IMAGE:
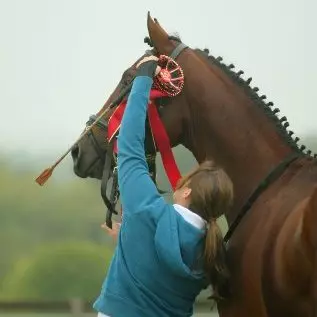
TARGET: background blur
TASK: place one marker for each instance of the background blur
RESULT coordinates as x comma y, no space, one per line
59,61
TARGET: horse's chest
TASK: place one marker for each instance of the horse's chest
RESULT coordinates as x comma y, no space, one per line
251,254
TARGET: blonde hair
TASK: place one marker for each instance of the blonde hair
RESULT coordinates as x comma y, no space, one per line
211,197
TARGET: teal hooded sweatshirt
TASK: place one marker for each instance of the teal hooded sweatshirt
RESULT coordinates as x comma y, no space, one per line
156,270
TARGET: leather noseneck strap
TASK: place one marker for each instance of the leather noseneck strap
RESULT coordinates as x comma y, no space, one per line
178,50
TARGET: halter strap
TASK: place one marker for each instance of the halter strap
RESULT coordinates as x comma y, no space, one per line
179,48
110,203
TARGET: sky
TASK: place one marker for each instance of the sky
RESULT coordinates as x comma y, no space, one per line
60,59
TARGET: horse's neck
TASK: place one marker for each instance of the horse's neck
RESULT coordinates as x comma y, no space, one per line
226,126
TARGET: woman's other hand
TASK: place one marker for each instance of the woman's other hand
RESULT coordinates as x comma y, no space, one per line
112,232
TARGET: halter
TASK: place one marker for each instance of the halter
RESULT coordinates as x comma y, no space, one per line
171,80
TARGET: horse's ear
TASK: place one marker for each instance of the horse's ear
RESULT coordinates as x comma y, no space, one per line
158,36
159,25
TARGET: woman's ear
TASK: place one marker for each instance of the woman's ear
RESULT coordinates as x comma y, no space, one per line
186,192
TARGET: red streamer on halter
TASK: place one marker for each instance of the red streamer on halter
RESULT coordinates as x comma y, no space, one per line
159,133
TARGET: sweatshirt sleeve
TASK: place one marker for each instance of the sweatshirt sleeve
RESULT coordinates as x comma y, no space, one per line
137,190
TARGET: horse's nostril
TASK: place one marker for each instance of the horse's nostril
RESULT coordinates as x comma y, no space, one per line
75,152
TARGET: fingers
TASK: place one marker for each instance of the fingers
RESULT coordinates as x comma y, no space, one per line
117,225
106,228
158,69
147,59
112,232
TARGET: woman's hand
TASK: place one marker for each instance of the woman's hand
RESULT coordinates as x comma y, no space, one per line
114,231
148,66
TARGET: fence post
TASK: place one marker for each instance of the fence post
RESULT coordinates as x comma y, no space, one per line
76,307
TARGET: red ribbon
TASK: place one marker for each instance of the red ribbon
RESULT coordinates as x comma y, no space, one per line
158,130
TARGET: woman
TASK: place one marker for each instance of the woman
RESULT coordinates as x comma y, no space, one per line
166,254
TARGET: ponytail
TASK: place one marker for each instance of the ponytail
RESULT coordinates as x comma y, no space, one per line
211,197
215,261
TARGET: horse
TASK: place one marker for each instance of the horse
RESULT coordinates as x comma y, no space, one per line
272,240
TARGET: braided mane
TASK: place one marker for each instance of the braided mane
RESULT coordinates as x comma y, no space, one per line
268,108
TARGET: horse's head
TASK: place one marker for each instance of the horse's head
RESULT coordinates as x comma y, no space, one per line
90,152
